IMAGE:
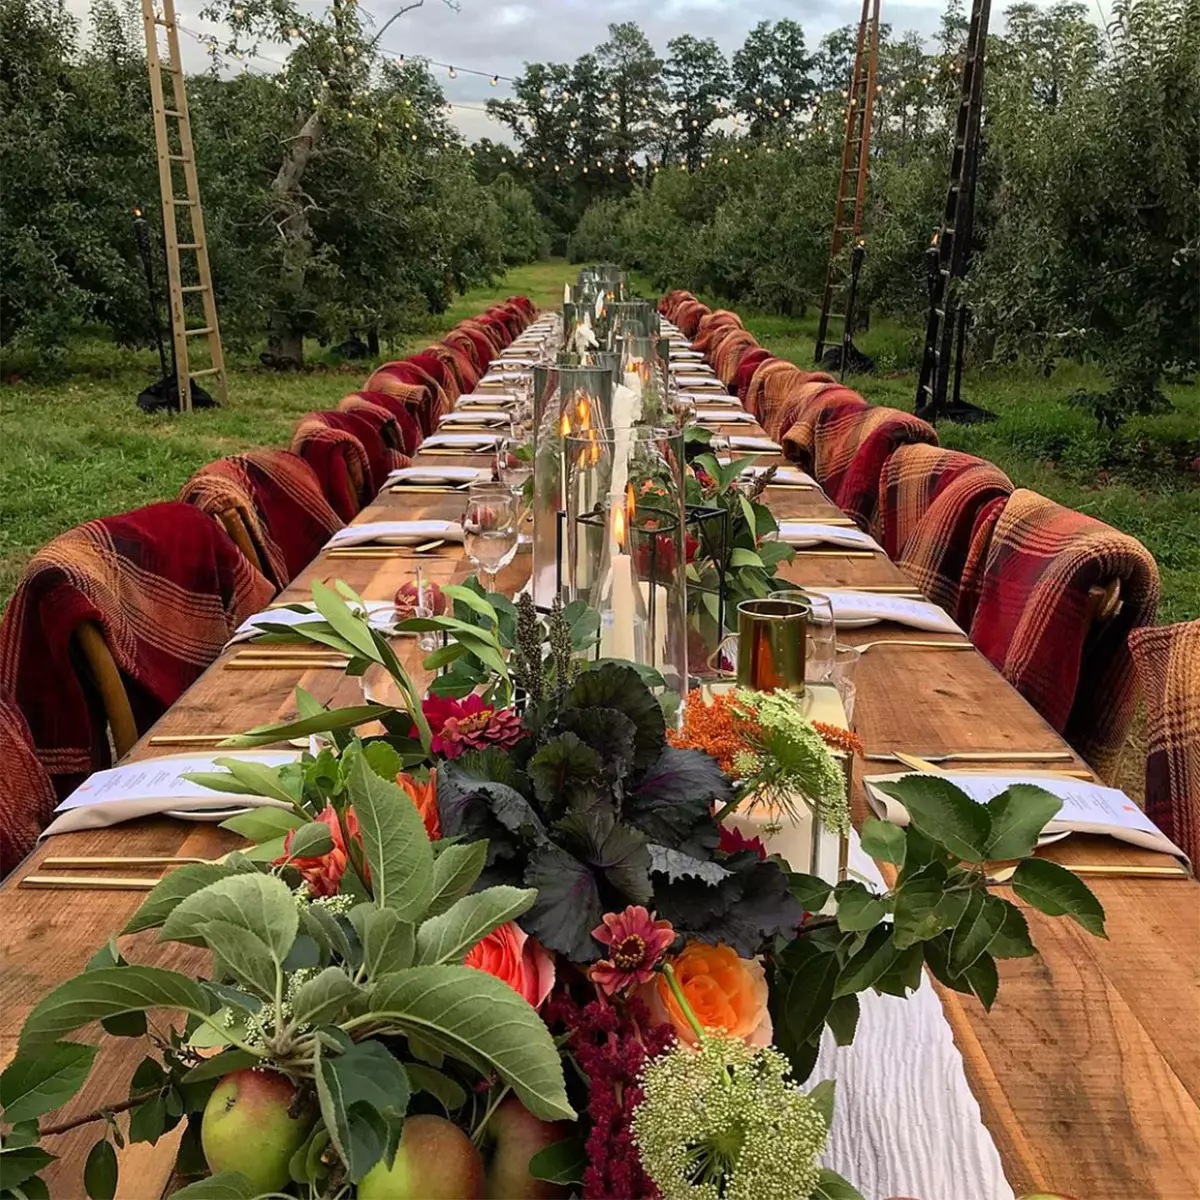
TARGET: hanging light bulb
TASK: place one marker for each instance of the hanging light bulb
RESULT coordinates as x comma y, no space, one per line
495,80
452,73
758,101
504,159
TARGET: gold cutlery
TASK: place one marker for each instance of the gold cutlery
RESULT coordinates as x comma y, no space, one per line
457,451
1111,870
386,550
835,553
297,649
985,756
249,663
190,739
92,883
804,487
428,489
882,589
913,644
100,863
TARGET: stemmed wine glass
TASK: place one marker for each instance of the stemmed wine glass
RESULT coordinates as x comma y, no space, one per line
514,468
490,528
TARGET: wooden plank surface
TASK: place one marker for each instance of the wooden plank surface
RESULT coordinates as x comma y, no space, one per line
1087,1070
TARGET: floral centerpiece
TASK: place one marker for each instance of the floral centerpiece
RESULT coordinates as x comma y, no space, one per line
498,943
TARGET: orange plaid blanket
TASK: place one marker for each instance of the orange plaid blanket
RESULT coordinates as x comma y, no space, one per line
1037,619
1167,658
166,587
27,798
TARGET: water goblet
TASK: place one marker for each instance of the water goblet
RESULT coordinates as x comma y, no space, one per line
490,528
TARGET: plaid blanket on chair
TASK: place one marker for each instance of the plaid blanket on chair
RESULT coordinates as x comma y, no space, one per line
689,315
379,434
712,327
398,378
278,497
728,352
1167,658
407,412
1039,619
748,364
795,423
339,461
165,586
914,477
27,798
465,373
945,553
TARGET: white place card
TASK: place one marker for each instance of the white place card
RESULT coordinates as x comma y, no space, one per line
861,607
813,533
467,443
428,474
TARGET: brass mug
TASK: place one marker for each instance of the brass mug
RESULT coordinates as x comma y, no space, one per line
772,643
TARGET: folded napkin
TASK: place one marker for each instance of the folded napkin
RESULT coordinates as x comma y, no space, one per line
431,475
467,443
713,400
517,360
870,606
740,441
492,417
686,354
782,474
157,785
396,533
723,416
381,615
695,375
478,400
812,533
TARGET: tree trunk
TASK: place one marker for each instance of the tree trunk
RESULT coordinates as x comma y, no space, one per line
285,334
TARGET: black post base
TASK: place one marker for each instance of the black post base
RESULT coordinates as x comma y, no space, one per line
963,413
165,394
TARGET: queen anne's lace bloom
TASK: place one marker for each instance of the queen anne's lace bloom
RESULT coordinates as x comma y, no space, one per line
725,1122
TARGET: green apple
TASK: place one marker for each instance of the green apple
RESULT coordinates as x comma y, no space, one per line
435,1161
517,1136
248,1127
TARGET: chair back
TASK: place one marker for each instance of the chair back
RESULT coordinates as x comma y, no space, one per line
339,461
163,586
27,798
1049,621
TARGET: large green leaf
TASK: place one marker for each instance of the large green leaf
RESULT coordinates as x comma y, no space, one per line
831,1186
260,904
448,936
396,844
475,1017
447,1092
455,871
613,685
388,943
262,824
924,908
869,964
177,885
363,1094
345,623
322,998
857,908
979,924
1018,815
244,955
42,1080
225,1185
883,841
1054,890
106,992
945,814
100,1171
323,722
1013,940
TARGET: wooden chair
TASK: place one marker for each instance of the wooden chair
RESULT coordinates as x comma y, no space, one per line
106,679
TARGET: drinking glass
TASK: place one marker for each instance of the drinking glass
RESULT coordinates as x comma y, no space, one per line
514,467
845,665
822,633
490,528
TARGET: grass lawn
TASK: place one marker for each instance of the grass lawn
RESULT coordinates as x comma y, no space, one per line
81,448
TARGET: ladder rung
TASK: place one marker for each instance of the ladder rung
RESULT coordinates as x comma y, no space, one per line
206,371
197,332
188,246
180,157
195,287
171,112
180,203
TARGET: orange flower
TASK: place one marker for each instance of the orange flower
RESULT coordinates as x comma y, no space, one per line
323,873
724,991
424,796
837,738
716,727
513,956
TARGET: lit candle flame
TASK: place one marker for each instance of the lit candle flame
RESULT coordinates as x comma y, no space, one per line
564,427
619,527
630,502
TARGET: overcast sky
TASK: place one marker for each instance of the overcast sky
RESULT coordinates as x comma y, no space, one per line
500,36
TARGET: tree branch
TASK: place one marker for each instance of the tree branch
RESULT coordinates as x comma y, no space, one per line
98,1114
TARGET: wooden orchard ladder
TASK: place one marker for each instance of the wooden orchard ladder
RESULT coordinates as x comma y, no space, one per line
195,242
952,243
848,212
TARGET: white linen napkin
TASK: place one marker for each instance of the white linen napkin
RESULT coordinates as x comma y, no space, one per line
468,443
713,399
694,377
381,615
431,474
867,606
764,445
478,400
493,417
813,533
724,416
500,378
156,785
396,533
782,474
684,355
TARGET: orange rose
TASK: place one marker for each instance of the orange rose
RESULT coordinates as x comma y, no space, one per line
512,955
724,991
424,796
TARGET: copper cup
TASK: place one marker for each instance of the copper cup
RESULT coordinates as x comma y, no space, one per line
772,637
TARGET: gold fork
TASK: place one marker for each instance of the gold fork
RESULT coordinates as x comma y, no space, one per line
912,644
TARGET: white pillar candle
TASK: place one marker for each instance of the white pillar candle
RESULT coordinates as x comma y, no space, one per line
618,638
566,293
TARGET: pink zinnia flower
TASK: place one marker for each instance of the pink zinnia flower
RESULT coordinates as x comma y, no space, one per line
636,943
469,724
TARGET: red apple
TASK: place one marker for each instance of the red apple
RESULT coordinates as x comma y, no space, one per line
248,1127
407,599
517,1136
435,1161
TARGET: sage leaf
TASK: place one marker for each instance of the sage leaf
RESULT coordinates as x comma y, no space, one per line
473,1016
320,1000
311,840
345,623
396,844
106,992
244,955
40,1082
1018,815
262,824
448,936
1057,892
388,943
175,887
260,904
455,871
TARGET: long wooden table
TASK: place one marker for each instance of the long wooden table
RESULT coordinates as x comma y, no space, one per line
1087,1070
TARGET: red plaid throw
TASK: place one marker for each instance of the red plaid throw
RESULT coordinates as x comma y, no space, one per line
712,327
796,421
339,461
395,377
27,798
407,413
1037,622
386,430
463,371
689,315
914,477
944,554
166,587
1168,666
749,364
279,499
728,352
